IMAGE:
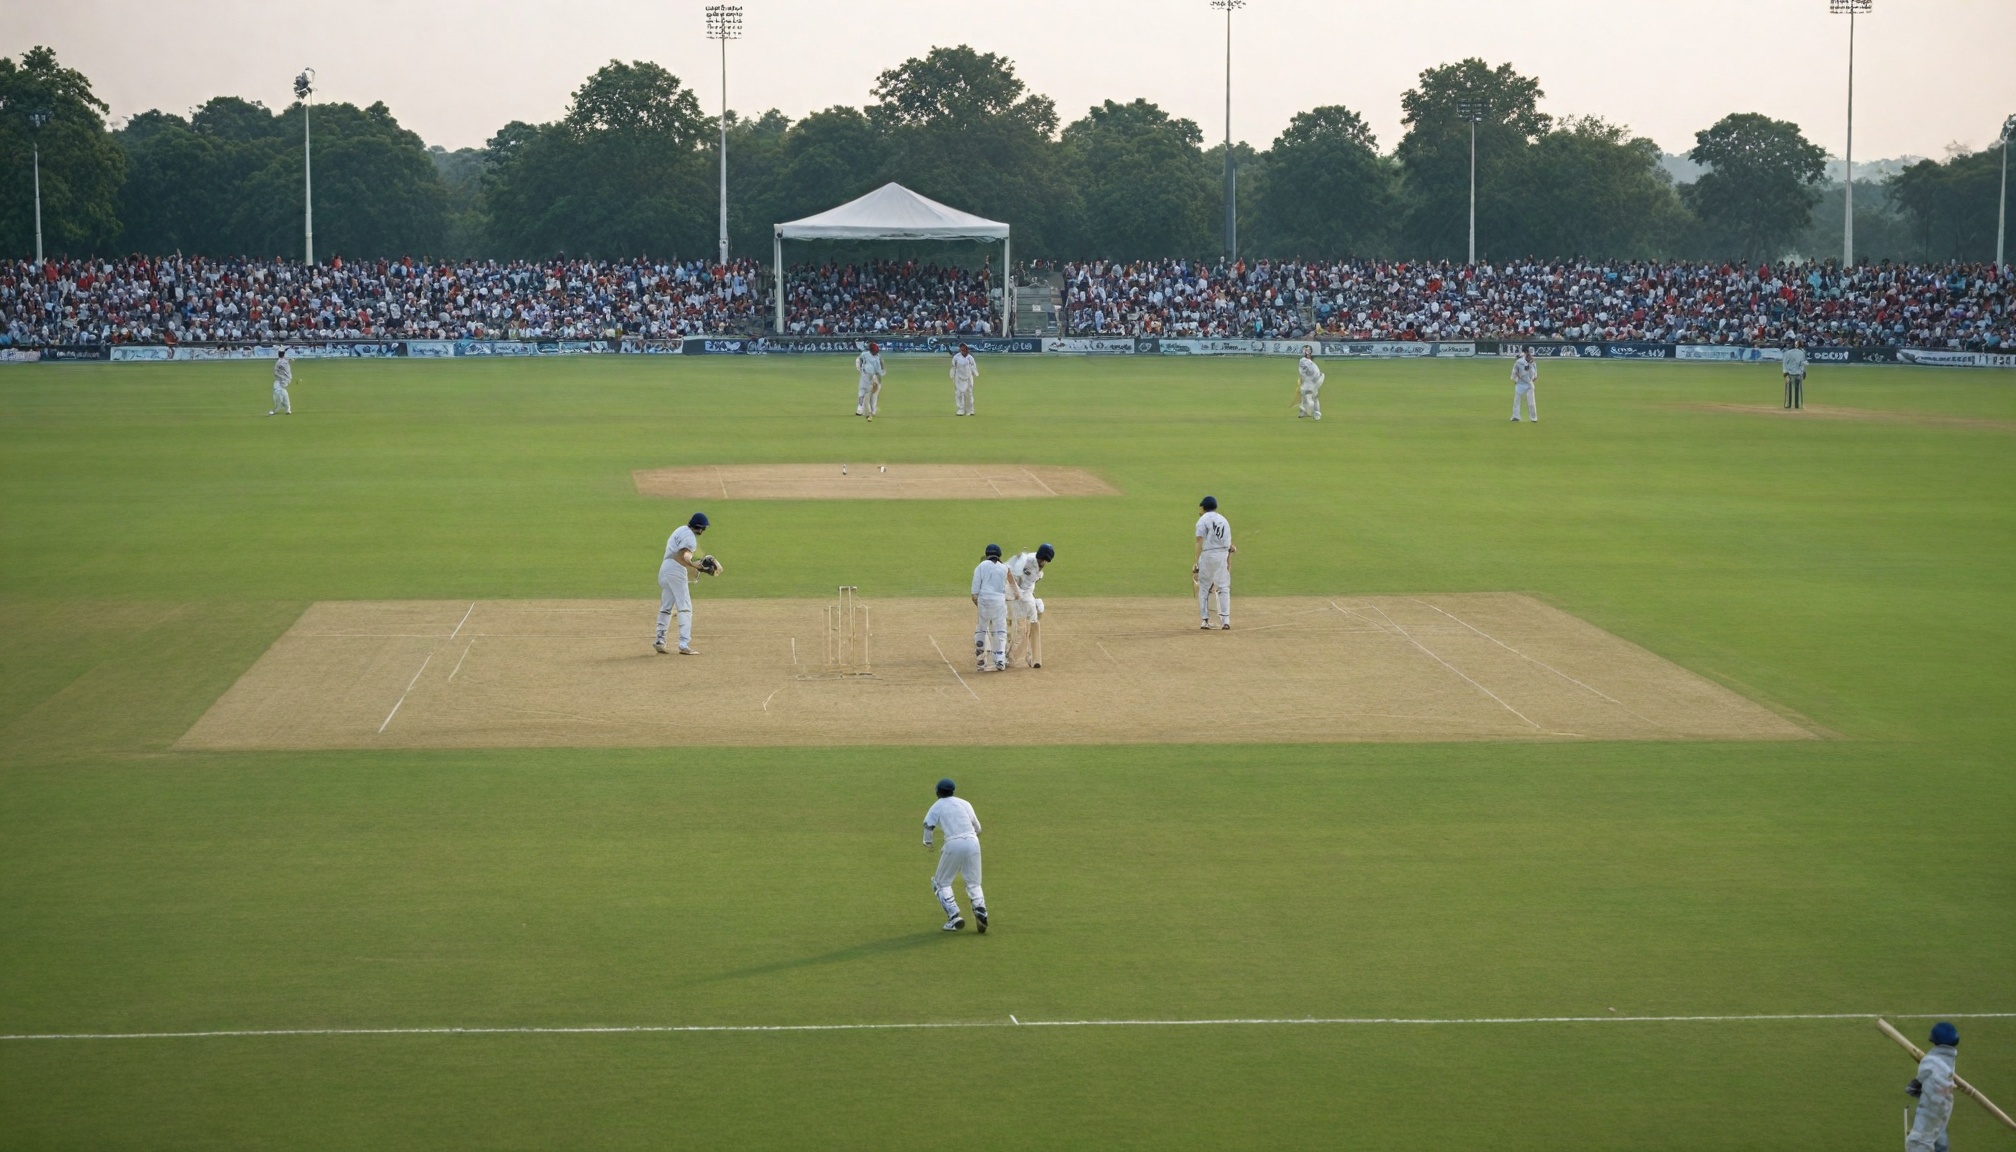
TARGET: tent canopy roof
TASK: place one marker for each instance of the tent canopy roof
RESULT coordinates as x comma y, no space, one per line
893,212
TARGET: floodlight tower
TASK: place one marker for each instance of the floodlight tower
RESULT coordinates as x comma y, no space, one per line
2001,205
304,91
1231,171
36,120
1850,9
724,23
1474,109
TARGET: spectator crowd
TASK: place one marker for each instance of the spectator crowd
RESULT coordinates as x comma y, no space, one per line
1935,306
195,300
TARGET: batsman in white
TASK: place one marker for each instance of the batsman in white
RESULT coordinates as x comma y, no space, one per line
1024,608
1524,372
960,857
674,595
990,597
868,392
1212,571
283,375
965,370
1933,1089
1308,383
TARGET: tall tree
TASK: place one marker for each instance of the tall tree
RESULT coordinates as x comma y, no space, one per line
1325,191
81,165
1141,182
1951,206
1590,188
1760,187
1435,156
625,172
756,191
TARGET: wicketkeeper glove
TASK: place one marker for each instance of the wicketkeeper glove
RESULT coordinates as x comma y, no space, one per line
710,565
1914,1089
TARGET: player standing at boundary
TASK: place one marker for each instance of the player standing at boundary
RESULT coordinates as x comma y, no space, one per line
868,393
1212,571
1024,570
990,597
1933,1089
1308,384
674,595
1794,366
965,370
1524,372
283,375
960,857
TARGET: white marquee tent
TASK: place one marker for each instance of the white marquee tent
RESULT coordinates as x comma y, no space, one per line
893,212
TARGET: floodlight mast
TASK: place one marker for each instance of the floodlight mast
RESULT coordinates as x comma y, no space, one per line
304,91
1231,171
36,120
1850,9
1473,109
724,23
2001,205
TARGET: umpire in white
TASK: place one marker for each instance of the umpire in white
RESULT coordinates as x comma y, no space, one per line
1794,367
961,856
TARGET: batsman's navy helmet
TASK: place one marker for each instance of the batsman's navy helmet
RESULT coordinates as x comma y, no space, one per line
1045,553
1208,504
699,520
946,788
994,551
1942,1032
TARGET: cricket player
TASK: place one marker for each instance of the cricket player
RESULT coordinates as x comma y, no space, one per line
868,392
1309,382
1523,375
1932,1087
283,375
1794,366
965,370
673,593
990,597
960,857
1024,570
1213,570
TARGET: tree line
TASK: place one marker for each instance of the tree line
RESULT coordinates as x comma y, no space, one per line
630,169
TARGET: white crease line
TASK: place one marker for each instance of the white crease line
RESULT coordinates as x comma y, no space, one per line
458,663
1410,639
949,668
403,695
1109,655
1541,663
767,699
464,620
1014,1022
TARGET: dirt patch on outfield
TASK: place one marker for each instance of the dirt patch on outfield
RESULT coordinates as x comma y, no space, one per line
1866,415
452,674
872,480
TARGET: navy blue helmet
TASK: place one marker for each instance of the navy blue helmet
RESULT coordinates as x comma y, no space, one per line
1209,503
946,788
1942,1032
1045,553
993,551
698,523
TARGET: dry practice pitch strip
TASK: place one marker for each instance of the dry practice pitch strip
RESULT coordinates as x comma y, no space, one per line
451,674
871,481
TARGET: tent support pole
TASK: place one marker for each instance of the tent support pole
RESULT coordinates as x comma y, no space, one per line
1007,287
777,266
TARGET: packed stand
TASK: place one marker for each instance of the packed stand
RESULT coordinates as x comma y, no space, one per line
144,300
889,297
1965,306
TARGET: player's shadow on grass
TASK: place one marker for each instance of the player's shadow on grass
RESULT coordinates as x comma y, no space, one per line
874,948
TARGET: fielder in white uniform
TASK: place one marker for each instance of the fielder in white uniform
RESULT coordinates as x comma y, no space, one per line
1933,1089
960,857
990,597
1213,569
1024,608
283,375
965,370
1309,382
674,595
1523,374
868,392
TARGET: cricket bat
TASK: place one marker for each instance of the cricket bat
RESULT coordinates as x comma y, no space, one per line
1969,1089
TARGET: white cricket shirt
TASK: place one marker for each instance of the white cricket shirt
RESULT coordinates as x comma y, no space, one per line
1312,376
990,580
964,369
283,372
869,365
1215,531
682,539
955,817
1027,571
1524,371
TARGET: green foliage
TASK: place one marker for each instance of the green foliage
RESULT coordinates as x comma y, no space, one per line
1142,183
1435,155
1952,206
1760,189
1324,190
1588,188
81,167
461,173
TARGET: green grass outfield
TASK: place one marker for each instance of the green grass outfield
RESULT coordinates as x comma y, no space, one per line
157,532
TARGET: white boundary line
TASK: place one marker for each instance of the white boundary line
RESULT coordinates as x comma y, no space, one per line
1011,1022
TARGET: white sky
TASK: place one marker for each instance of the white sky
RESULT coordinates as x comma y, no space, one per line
1928,72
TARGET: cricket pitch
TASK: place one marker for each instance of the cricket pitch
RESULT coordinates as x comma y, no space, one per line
868,481
560,673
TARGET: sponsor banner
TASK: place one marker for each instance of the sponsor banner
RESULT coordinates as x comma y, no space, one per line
336,351
1830,355
1381,349
1092,345
430,349
1726,352
134,353
1192,347
716,346
74,352
1457,349
652,346
19,355
1876,355
496,348
891,345
1943,358
1638,351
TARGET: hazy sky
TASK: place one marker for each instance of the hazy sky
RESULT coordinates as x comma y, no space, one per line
1928,72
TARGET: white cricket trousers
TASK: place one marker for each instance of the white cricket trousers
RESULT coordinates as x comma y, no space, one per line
960,857
1524,392
962,399
675,595
1214,573
865,397
1311,404
990,631
280,401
